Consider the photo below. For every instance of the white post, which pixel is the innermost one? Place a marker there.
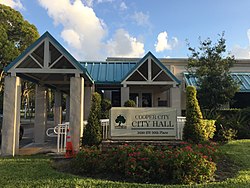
(11, 116)
(175, 99)
(87, 100)
(76, 110)
(137, 101)
(40, 114)
(124, 95)
(58, 108)
(67, 108)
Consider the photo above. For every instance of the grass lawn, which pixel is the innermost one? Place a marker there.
(36, 171)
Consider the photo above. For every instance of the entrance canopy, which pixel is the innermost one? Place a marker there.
(48, 63)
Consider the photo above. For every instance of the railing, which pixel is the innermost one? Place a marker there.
(105, 127)
(180, 125)
(59, 131)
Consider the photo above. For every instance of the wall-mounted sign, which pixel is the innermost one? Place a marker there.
(143, 123)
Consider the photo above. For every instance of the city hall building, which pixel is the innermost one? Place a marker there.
(149, 81)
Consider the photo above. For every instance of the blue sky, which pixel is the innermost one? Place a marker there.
(96, 29)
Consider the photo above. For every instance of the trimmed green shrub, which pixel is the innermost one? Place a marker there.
(210, 128)
(194, 129)
(92, 134)
(130, 103)
(105, 106)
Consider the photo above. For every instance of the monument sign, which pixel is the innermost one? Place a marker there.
(143, 123)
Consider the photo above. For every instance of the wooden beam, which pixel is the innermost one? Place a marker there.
(56, 61)
(48, 71)
(57, 82)
(37, 62)
(141, 75)
(149, 83)
(157, 74)
(46, 59)
(150, 68)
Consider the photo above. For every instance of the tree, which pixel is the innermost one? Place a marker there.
(16, 34)
(210, 66)
(194, 129)
(92, 134)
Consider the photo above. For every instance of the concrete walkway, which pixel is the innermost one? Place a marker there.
(33, 148)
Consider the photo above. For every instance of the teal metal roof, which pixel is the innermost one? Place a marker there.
(108, 72)
(115, 72)
(243, 78)
(190, 79)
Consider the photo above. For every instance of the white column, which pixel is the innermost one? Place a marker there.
(58, 108)
(124, 95)
(87, 100)
(67, 108)
(175, 99)
(76, 110)
(11, 116)
(40, 114)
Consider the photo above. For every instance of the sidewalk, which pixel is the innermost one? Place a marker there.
(33, 148)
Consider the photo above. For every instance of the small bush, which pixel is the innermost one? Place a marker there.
(225, 134)
(92, 132)
(210, 128)
(105, 107)
(130, 103)
(194, 129)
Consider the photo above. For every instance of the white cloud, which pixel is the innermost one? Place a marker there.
(84, 32)
(16, 4)
(124, 45)
(163, 42)
(123, 6)
(72, 38)
(82, 29)
(141, 19)
(242, 52)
